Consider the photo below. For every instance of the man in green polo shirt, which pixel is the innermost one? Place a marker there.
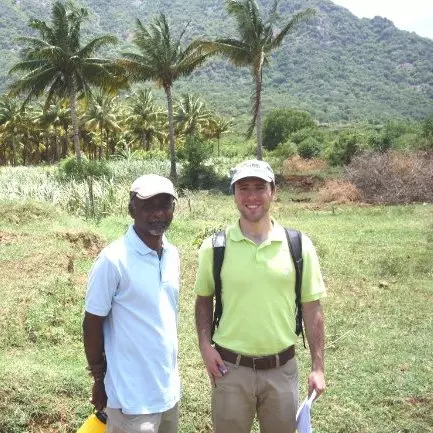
(252, 365)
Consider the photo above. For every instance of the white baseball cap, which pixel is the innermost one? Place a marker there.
(253, 168)
(152, 184)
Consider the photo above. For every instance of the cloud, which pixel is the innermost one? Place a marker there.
(416, 15)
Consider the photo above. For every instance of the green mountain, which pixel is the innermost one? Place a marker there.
(336, 66)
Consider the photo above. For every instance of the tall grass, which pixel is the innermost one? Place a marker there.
(376, 262)
(43, 184)
(377, 266)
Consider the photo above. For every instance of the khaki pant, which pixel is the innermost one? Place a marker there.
(243, 392)
(164, 422)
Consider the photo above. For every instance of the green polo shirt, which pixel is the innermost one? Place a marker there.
(258, 290)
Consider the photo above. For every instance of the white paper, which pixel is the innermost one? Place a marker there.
(303, 416)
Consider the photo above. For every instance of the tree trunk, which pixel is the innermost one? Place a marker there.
(113, 142)
(100, 143)
(258, 83)
(26, 141)
(173, 173)
(145, 141)
(14, 147)
(91, 196)
(72, 106)
(57, 150)
(65, 144)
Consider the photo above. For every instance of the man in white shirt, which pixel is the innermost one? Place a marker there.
(130, 323)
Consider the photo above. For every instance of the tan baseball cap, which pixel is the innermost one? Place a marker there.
(253, 168)
(152, 184)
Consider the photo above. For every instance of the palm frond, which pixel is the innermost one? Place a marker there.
(248, 19)
(291, 25)
(44, 30)
(135, 69)
(95, 44)
(273, 13)
(238, 52)
(34, 82)
(60, 25)
(52, 93)
(32, 43)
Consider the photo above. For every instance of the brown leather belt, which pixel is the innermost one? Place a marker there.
(257, 362)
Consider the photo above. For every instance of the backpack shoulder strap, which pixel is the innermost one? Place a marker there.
(294, 240)
(219, 245)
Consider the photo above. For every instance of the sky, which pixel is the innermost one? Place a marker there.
(414, 15)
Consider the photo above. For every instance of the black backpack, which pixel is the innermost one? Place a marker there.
(294, 240)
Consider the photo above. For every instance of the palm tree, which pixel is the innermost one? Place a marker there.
(161, 58)
(144, 117)
(101, 117)
(217, 127)
(56, 62)
(56, 121)
(258, 37)
(13, 120)
(191, 115)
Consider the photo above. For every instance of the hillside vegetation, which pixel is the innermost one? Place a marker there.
(337, 67)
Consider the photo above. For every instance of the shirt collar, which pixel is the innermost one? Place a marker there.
(134, 240)
(276, 234)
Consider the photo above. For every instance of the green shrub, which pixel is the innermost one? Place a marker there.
(427, 133)
(196, 174)
(344, 148)
(391, 136)
(409, 140)
(285, 150)
(427, 127)
(380, 142)
(154, 154)
(70, 168)
(85, 171)
(279, 124)
(309, 148)
(304, 133)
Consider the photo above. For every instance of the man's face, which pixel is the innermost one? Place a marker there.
(253, 197)
(152, 216)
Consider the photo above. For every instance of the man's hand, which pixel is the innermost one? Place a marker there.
(214, 364)
(316, 381)
(99, 396)
(203, 318)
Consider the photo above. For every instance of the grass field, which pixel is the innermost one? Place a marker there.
(377, 263)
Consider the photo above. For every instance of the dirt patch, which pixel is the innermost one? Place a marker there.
(417, 400)
(339, 191)
(301, 165)
(34, 267)
(8, 238)
(88, 242)
(303, 183)
(302, 175)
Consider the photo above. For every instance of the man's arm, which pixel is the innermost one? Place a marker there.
(93, 338)
(203, 320)
(312, 315)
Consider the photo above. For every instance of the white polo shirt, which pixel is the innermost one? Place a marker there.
(138, 293)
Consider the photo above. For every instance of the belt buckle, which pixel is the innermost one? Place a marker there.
(254, 359)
